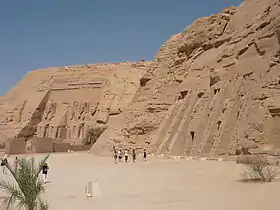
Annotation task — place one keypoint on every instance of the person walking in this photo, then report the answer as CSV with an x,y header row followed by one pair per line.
x,y
126,155
45,169
120,155
4,163
145,155
115,154
15,164
134,155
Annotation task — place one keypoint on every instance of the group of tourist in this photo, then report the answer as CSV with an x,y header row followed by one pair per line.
x,y
4,164
118,155
15,166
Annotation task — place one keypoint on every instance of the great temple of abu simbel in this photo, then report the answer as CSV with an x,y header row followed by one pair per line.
x,y
63,103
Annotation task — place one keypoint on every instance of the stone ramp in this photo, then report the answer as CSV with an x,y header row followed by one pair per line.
x,y
109,138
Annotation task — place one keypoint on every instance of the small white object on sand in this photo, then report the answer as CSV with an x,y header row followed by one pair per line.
x,y
92,189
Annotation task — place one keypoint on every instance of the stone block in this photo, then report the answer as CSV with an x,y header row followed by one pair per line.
x,y
15,146
42,145
61,147
80,147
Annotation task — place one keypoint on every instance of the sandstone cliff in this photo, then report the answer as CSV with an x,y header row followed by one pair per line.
x,y
211,89
63,103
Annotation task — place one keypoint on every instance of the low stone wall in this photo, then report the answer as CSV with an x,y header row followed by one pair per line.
x,y
15,146
42,145
80,147
61,147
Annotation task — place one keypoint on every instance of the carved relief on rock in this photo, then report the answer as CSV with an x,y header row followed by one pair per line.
x,y
74,111
83,111
81,117
15,115
104,108
49,113
43,129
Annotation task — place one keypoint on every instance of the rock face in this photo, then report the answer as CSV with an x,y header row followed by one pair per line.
x,y
210,90
63,103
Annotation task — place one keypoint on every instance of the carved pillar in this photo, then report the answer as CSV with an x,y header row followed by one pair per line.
x,y
54,132
50,131
78,129
39,130
81,132
73,130
46,131
68,132
62,133
86,128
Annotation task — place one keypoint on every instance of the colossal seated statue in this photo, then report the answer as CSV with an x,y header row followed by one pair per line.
x,y
49,114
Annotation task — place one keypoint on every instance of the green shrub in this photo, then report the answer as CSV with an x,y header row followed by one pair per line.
x,y
92,135
260,171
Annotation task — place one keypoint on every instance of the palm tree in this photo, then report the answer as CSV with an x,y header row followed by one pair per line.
x,y
28,187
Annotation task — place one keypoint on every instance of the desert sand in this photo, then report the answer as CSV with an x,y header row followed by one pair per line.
x,y
156,184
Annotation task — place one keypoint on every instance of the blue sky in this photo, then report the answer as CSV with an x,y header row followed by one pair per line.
x,y
37,34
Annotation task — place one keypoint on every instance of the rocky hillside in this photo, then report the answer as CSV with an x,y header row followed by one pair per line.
x,y
63,103
211,89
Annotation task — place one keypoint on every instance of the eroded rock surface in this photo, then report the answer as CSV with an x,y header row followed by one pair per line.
x,y
210,89
63,103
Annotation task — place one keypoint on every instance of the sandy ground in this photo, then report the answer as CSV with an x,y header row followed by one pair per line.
x,y
156,184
